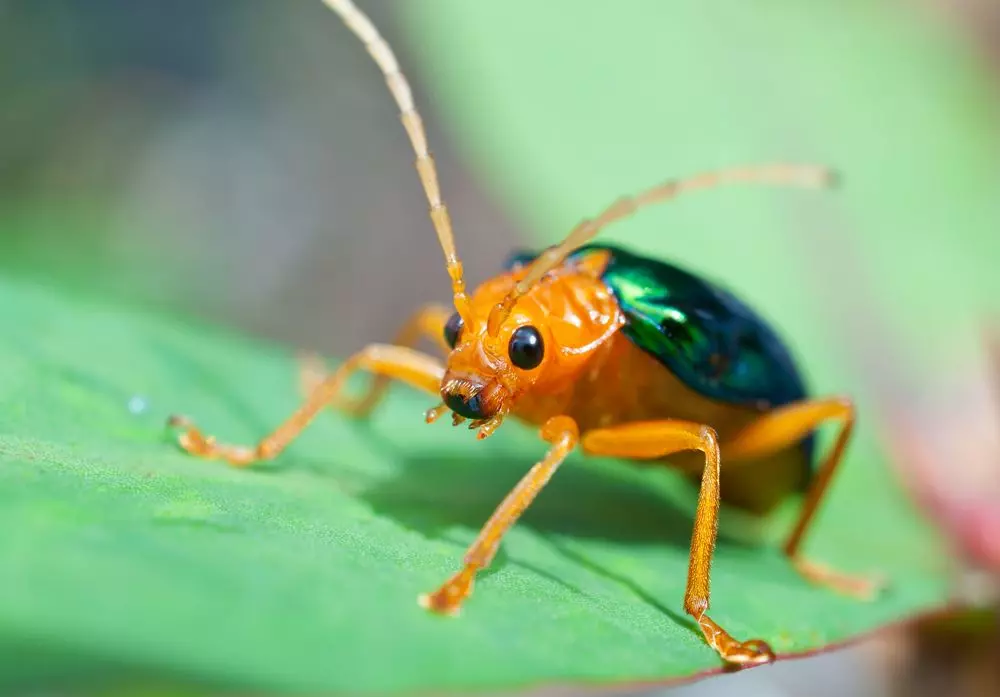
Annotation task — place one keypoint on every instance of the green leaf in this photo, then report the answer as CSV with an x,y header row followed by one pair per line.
x,y
122,558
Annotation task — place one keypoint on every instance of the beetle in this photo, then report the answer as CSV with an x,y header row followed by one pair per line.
x,y
609,352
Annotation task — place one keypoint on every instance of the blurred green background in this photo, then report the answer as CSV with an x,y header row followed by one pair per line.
x,y
240,161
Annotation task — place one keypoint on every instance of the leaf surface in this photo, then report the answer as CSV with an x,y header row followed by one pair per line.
x,y
121,555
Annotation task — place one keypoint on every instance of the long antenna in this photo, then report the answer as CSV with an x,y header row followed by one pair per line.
x,y
780,174
380,51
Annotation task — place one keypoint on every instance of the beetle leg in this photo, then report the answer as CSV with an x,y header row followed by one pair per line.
x,y
426,323
562,433
778,430
656,439
397,362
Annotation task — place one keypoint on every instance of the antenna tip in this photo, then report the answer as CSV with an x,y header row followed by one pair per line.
x,y
829,178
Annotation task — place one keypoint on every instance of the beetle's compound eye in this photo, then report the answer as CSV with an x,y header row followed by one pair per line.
x,y
525,349
452,328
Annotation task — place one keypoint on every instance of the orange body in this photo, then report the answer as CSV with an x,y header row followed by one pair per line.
x,y
599,378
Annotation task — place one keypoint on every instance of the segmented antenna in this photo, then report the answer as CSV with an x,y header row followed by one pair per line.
x,y
380,51
780,174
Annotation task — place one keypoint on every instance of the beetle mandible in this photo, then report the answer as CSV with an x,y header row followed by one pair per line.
x,y
606,351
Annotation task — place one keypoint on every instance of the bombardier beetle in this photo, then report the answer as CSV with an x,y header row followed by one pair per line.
x,y
609,352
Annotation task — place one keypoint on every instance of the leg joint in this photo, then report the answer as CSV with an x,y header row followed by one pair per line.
x,y
709,438
842,408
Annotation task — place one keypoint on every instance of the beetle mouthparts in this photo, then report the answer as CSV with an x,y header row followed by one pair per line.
x,y
470,407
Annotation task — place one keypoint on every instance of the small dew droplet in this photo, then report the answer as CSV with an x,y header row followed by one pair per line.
x,y
137,405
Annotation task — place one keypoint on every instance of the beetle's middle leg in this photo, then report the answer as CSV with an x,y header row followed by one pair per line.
x,y
427,323
786,426
656,439
396,362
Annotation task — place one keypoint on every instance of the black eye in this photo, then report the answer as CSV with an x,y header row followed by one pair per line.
x,y
452,329
526,348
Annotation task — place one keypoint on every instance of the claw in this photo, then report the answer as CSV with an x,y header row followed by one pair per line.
x,y
196,443
179,421
736,653
447,600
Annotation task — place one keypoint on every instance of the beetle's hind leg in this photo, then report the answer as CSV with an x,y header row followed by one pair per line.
x,y
388,362
656,439
782,428
426,323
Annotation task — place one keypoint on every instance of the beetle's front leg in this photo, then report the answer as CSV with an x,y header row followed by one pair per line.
x,y
427,323
396,362
563,434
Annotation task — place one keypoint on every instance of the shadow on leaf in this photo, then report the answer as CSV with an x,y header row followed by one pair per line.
x,y
432,494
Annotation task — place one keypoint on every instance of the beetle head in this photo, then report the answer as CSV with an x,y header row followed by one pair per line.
x,y
539,347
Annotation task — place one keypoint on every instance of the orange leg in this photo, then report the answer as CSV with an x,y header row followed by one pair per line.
x,y
785,427
427,323
406,365
562,433
656,439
